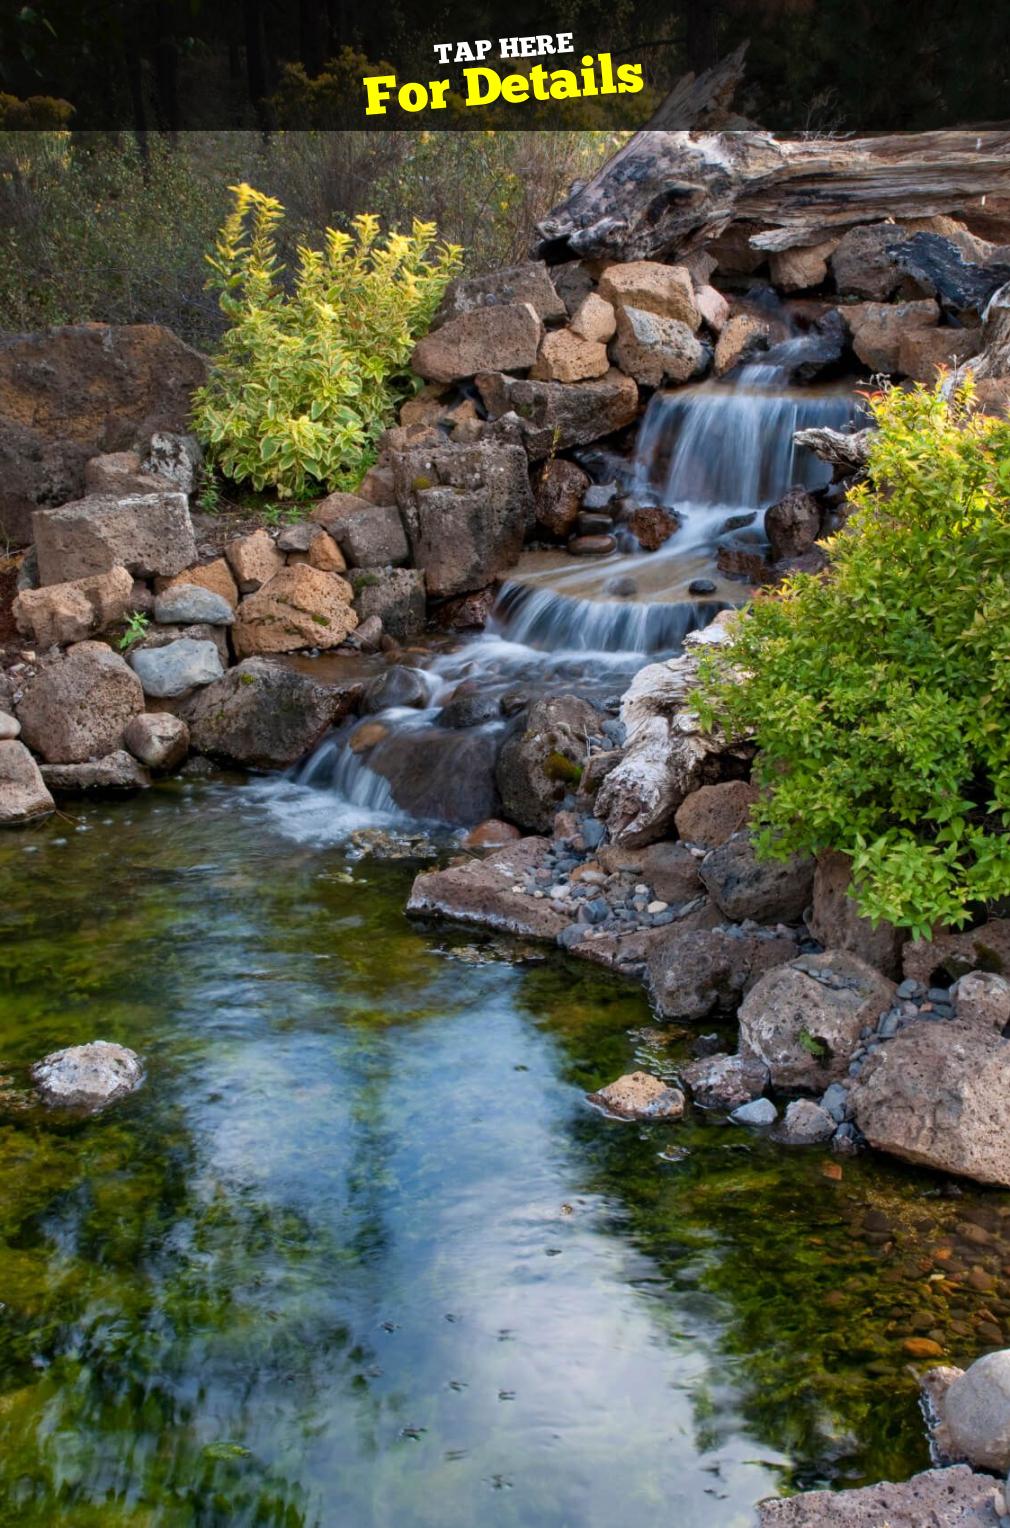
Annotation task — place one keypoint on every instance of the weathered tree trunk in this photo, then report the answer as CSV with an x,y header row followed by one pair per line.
x,y
705,99
845,451
666,192
994,358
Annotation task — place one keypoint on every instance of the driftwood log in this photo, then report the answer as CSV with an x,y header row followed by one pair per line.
x,y
664,193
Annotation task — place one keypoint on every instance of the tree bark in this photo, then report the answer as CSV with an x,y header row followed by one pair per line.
x,y
665,193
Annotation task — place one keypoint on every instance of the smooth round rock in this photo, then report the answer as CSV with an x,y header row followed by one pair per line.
x,y
701,586
190,604
976,1412
87,1076
591,546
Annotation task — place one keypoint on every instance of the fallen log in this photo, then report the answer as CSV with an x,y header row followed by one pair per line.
x,y
994,357
848,453
665,193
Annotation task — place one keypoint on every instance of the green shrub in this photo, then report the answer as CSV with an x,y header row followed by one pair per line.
x,y
879,695
305,381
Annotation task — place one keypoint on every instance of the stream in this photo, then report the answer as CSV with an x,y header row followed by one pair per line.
x,y
359,1253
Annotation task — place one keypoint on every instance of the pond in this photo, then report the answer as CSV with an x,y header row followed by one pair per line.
x,y
360,1253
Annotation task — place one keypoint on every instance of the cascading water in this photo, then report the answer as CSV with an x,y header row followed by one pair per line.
x,y
718,454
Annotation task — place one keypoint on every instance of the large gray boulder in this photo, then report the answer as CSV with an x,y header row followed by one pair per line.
x,y
158,739
23,792
694,972
148,533
117,771
396,596
440,778
466,510
543,758
76,706
968,1412
177,667
558,415
954,1498
939,1094
369,535
803,1019
529,282
769,891
655,350
500,338
264,715
87,1077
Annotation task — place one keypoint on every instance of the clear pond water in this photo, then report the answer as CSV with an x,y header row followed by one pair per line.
x,y
360,1254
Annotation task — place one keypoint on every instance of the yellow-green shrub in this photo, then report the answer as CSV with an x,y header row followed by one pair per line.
x,y
306,380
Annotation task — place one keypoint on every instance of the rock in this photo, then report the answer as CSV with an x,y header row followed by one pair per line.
x,y
527,283
806,1124
922,352
367,736
558,415
396,596
215,576
119,473
594,319
175,457
942,960
161,636
651,526
954,1498
491,834
466,612
592,546
23,792
713,309
761,1112
87,1076
742,886
398,686
565,357
701,586
982,998
254,560
76,706
440,776
796,270
670,869
543,758
836,922
725,1082
743,337
640,1096
803,1019
469,709
369,535
862,264
117,771
939,1094
666,291
971,1421
877,329
654,350
712,814
558,496
480,892
466,510
147,533
177,667
573,283
10,727
192,604
266,716
69,393
63,613
793,525
158,739
499,338
322,553
299,607
692,973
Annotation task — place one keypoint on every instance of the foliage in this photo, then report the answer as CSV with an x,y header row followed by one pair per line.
x,y
136,629
878,695
305,382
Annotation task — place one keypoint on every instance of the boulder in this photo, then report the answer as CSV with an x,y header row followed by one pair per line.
x,y
481,892
10,727
864,264
396,596
792,525
743,337
761,1112
803,1019
877,329
923,352
184,604
640,1096
158,739
982,998
655,350
742,886
87,1076
939,1094
664,290
76,707
266,716
529,282
466,510
69,393
199,631
119,473
806,1124
299,607
117,771
969,1412
558,496
712,814
215,576
573,283
322,552
837,924
254,560
23,792
147,533
724,1082
594,319
399,686
174,457
669,869
59,614
499,338
543,758
566,357
940,961
713,309
558,415
796,270
177,667
369,535
438,776
651,525
692,973
954,1498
